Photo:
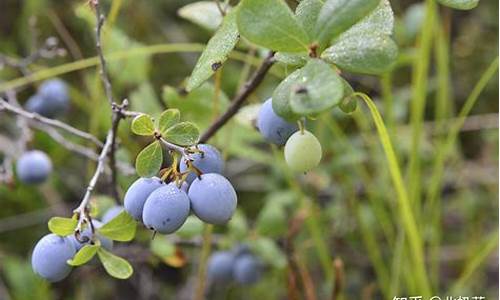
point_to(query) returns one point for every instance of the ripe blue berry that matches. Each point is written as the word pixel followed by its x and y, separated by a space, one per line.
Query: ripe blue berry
pixel 50 255
pixel 33 167
pixel 166 209
pixel 111 213
pixel 86 234
pixel 247 269
pixel 220 267
pixel 213 198
pixel 137 194
pixel 272 127
pixel 51 100
pixel 208 162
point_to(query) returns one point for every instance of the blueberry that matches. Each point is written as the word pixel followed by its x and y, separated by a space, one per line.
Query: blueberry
pixel 166 209
pixel 50 255
pixel 87 234
pixel 213 198
pixel 272 127
pixel 220 267
pixel 208 162
pixel 33 167
pixel 137 194
pixel 247 269
pixel 51 100
pixel 111 213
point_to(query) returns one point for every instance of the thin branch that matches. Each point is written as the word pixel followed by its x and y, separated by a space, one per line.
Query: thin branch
pixel 4 105
pixel 103 71
pixel 240 98
pixel 81 210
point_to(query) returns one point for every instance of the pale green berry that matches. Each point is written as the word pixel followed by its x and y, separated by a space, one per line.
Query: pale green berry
pixel 302 151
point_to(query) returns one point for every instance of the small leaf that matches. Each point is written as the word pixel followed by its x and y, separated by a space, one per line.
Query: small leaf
pixel 121 228
pixel 349 103
pixel 216 52
pixel 168 118
pixel 84 255
pixel 272 220
pixel 281 97
pixel 318 88
pixel 460 4
pixel 115 265
pixel 183 134
pixel 271 24
pixel 307 13
pixel 143 125
pixel 369 53
pixel 312 89
pixel 62 226
pixel 203 13
pixel 191 228
pixel 336 16
pixel 149 160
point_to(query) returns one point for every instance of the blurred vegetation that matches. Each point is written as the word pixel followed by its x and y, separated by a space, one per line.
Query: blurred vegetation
pixel 345 209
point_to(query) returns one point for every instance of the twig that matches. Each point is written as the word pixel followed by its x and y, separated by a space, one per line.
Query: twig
pixel 240 98
pixel 81 210
pixel 4 105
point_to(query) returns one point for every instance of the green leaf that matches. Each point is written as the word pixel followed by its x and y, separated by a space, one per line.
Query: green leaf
pixel 271 24
pixel 366 47
pixel 202 13
pixel 307 13
pixel 281 97
pixel 84 255
pixel 143 125
pixel 460 4
pixel 183 134
pixel 149 160
pixel 115 265
pixel 336 16
pixel 62 226
pixel 216 52
pixel 369 53
pixel 292 59
pixel 270 253
pixel 121 228
pixel 312 89
pixel 168 118
pixel 162 247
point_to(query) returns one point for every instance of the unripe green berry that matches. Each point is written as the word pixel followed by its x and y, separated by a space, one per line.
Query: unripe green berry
pixel 302 151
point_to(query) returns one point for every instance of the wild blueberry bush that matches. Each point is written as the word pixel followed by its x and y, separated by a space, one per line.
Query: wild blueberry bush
pixel 293 189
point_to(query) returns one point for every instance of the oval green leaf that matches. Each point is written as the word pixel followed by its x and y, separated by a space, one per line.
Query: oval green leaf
pixel 168 118
pixel 143 125
pixel 216 52
pixel 62 226
pixel 368 53
pixel 121 228
pixel 336 16
pixel 271 24
pixel 149 160
pixel 182 134
pixel 84 255
pixel 115 265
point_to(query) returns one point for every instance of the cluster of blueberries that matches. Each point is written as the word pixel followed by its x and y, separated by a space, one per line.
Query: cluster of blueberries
pixel 237 265
pixel 51 252
pixel 51 100
pixel 302 149
pixel 164 207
